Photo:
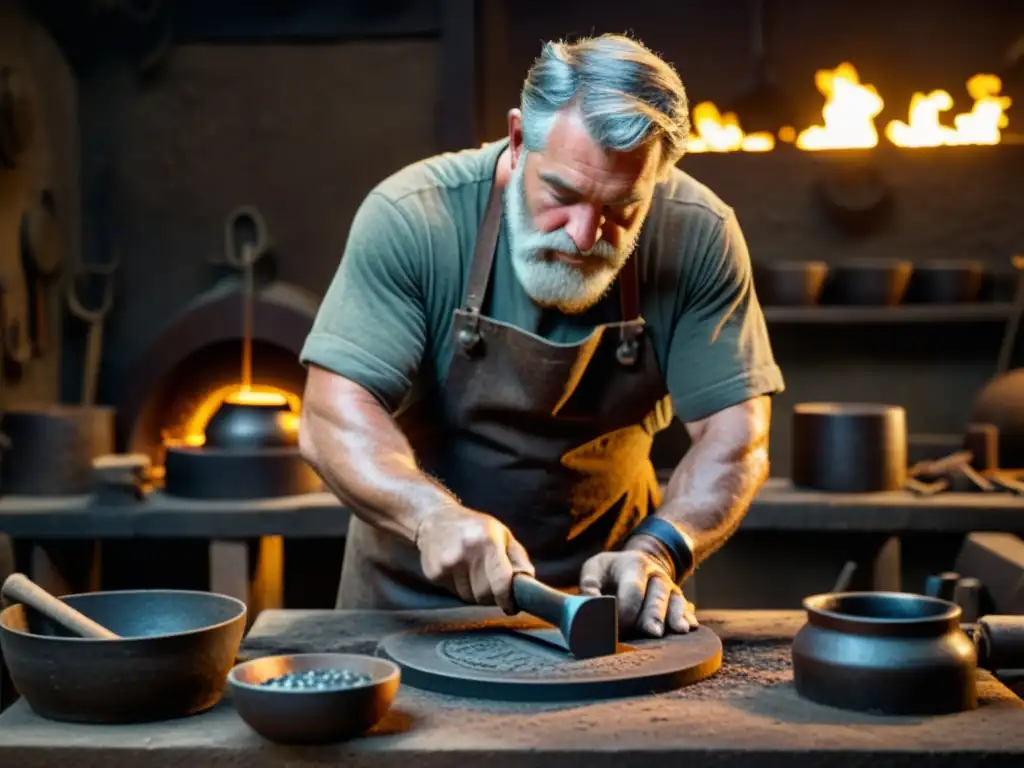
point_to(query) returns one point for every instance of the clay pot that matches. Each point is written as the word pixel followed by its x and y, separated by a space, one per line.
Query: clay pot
pixel 885 652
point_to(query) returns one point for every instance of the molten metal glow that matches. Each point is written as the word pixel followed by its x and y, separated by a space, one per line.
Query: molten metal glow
pixel 982 125
pixel 848 119
pixel 849 112
pixel 722 133
pixel 194 431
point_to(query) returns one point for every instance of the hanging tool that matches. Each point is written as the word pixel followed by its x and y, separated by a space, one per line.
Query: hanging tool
pixel 94 319
pixel 244 226
pixel 17 117
pixel 761 105
pixel 15 341
pixel 42 254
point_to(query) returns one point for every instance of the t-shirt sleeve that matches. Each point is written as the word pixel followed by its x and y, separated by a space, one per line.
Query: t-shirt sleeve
pixel 719 354
pixel 371 325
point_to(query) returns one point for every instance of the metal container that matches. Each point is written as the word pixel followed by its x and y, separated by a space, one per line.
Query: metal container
pixel 789 283
pixel 946 282
pixel 849 447
pixel 885 652
pixel 172 658
pixel 868 282
pixel 52 448
pixel 313 715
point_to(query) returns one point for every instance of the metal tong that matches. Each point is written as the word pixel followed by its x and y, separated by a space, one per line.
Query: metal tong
pixel 94 318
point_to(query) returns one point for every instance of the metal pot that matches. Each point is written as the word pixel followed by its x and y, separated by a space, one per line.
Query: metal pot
pixel 885 652
pixel 789 283
pixel 946 282
pixel 849 447
pixel 868 282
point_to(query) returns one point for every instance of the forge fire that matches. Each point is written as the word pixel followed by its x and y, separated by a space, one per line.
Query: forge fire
pixel 849 116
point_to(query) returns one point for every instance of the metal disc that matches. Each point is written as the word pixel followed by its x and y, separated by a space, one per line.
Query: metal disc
pixel 515 660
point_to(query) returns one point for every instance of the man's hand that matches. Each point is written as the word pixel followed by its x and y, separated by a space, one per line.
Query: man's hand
pixel 649 599
pixel 473 555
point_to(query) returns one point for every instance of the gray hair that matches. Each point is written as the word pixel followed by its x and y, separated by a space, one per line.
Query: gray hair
pixel 625 93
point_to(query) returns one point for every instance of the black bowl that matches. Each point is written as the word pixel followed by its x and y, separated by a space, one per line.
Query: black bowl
pixel 789 283
pixel 313 716
pixel 172 659
pixel 868 282
pixel 946 282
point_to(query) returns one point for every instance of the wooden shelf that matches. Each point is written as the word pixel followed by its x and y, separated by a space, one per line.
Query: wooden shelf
pixel 992 312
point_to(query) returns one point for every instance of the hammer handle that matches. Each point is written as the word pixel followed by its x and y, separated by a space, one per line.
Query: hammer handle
pixel 538 599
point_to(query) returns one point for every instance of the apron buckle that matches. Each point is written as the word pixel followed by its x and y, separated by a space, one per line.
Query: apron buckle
pixel 469 336
pixel 628 352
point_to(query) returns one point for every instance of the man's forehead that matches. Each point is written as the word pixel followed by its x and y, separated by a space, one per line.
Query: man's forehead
pixel 572 153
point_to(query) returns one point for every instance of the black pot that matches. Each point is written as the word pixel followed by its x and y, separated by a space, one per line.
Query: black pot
pixel 946 282
pixel 241 426
pixel 849 447
pixel 886 652
pixel 789 283
pixel 868 282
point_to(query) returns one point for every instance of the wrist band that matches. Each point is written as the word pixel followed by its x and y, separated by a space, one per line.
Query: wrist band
pixel 678 544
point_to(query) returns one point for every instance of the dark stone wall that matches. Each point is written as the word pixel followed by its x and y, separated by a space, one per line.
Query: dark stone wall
pixel 301 132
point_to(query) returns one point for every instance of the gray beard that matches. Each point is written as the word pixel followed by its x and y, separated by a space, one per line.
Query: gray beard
pixel 549 282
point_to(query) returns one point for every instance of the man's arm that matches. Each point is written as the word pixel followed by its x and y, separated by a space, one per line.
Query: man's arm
pixel 363 352
pixel 712 488
pixel 364 458
pixel 720 373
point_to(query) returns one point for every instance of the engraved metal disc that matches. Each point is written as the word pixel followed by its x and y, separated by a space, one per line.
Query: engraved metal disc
pixel 509 660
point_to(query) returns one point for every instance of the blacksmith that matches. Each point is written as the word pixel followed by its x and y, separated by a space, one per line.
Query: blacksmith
pixel 507 330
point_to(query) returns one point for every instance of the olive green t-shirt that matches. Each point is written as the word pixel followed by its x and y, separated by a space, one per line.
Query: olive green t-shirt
pixel 386 319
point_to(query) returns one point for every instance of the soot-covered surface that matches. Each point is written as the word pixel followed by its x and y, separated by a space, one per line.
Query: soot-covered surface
pixel 746 715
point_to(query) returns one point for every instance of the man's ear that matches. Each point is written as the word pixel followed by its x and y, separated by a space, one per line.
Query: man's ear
pixel 515 136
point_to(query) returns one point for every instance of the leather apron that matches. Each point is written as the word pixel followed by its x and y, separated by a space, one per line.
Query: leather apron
pixel 552 439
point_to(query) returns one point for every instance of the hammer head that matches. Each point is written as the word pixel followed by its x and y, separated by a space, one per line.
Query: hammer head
pixel 590 625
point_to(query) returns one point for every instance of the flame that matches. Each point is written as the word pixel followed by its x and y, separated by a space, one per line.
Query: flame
pixel 193 432
pixel 849 112
pixel 848 119
pixel 722 133
pixel 982 125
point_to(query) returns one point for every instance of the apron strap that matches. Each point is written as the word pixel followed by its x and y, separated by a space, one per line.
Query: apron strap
pixel 629 289
pixel 483 254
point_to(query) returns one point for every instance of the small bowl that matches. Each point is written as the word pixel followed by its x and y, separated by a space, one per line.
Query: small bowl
pixel 310 717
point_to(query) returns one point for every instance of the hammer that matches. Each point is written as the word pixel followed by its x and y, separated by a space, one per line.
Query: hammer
pixel 589 625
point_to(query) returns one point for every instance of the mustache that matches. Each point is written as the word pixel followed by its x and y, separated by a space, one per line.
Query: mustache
pixel 560 240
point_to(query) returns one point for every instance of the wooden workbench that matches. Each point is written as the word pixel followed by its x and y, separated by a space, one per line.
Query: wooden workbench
pixel 746 715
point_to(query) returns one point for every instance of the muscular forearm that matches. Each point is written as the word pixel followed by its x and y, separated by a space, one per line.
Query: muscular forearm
pixel 363 457
pixel 712 488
